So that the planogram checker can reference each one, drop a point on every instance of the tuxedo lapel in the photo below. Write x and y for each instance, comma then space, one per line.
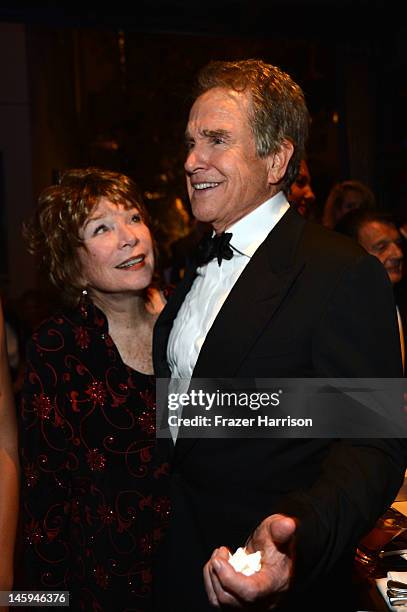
253, 300
163, 326
162, 329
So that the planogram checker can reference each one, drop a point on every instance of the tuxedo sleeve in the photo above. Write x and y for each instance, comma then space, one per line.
357, 337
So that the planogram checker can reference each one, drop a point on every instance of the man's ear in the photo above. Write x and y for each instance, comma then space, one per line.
278, 162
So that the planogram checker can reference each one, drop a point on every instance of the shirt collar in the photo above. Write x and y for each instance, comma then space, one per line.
250, 231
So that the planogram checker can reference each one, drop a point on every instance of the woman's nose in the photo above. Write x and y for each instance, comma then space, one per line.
128, 236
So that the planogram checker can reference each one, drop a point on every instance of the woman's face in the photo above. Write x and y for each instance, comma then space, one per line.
118, 255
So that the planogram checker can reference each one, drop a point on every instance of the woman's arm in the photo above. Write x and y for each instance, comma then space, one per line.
9, 470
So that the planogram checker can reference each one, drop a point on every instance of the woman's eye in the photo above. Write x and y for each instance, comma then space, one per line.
136, 218
100, 229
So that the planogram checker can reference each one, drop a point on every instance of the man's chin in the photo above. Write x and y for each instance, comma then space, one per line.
395, 277
203, 211
302, 209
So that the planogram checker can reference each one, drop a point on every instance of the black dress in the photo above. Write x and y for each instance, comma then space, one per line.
94, 503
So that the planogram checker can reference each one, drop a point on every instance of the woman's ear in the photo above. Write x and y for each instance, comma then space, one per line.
278, 162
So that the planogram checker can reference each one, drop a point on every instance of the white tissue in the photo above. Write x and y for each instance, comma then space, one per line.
245, 563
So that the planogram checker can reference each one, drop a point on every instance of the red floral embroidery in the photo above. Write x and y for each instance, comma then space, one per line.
101, 577
162, 470
74, 400
33, 532
42, 406
146, 576
96, 460
145, 502
146, 544
53, 533
149, 398
107, 515
147, 422
31, 475
58, 420
162, 507
97, 392
82, 337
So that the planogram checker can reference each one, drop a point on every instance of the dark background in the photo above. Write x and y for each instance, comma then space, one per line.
110, 87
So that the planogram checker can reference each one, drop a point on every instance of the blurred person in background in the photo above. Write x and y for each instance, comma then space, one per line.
379, 235
8, 468
344, 197
93, 497
301, 195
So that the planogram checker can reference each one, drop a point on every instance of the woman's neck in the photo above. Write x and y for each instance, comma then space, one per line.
131, 320
122, 311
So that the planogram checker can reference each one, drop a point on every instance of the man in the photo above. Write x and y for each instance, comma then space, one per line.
293, 300
377, 233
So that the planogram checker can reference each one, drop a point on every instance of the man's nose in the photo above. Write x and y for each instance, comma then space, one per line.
396, 251
196, 160
309, 194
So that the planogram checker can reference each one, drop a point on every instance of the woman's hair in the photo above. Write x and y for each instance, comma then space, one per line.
278, 108
336, 197
53, 234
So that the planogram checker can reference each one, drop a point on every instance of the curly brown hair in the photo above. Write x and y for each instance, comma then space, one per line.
279, 111
53, 234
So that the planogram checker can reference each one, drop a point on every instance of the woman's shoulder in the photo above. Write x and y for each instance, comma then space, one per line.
50, 333
157, 298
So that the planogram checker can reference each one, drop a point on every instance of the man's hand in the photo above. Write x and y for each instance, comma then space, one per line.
225, 587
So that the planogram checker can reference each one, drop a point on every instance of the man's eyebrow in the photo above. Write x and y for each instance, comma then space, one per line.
220, 133
216, 133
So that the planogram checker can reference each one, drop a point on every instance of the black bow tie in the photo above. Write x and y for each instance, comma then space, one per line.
217, 246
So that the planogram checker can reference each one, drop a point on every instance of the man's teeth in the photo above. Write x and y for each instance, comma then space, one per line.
205, 185
131, 262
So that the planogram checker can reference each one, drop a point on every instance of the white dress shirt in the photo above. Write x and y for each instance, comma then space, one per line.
213, 284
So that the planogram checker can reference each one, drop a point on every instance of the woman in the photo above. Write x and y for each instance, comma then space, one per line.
301, 195
8, 469
91, 514
344, 197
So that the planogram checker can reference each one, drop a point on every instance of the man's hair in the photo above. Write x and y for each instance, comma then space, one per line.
53, 232
278, 108
352, 223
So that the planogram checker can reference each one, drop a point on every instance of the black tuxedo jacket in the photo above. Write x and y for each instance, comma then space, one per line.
310, 303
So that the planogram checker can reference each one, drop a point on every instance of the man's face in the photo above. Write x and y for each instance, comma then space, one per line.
384, 242
225, 177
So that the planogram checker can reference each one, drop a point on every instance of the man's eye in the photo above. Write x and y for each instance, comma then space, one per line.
379, 248
189, 144
218, 140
